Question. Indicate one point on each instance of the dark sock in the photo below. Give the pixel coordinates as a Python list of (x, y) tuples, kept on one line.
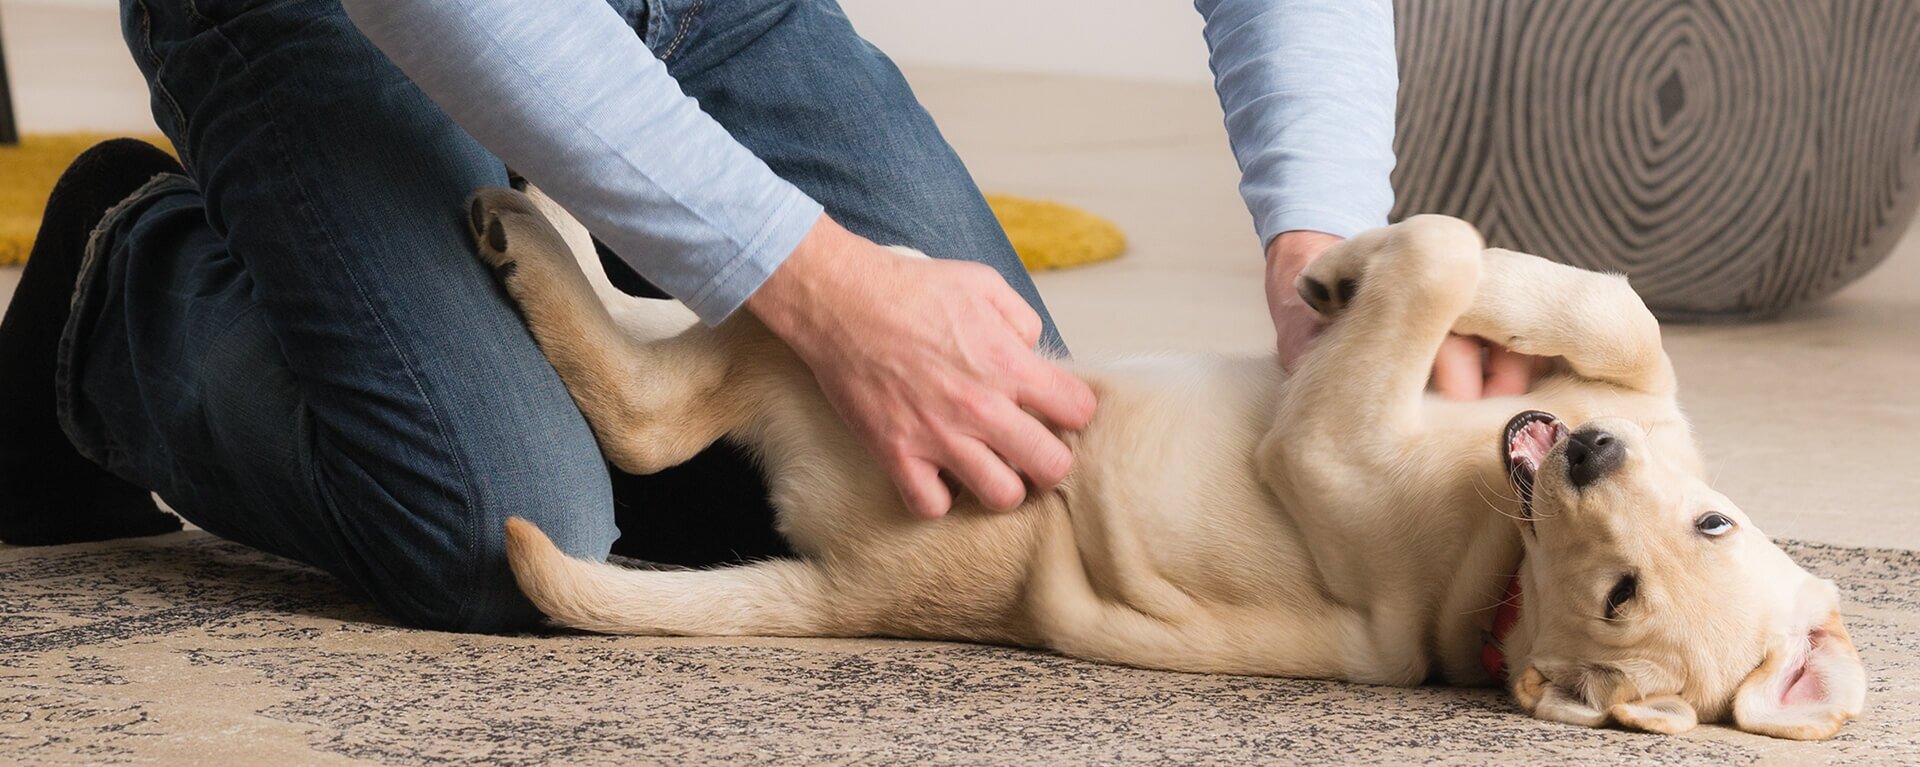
[(49, 494)]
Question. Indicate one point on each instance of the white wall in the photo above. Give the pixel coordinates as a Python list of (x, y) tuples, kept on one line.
[(93, 3), (1136, 39)]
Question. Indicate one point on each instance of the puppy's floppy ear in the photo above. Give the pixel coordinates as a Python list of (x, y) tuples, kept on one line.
[(1544, 699), (1661, 713), (1558, 703), (1811, 682)]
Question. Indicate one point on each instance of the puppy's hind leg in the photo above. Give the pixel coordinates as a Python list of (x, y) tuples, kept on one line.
[(1391, 294), (638, 318), (772, 598), (1355, 411), (1595, 321), (651, 404)]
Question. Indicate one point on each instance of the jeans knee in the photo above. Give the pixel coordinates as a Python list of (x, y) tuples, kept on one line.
[(471, 589), (465, 608), (445, 565)]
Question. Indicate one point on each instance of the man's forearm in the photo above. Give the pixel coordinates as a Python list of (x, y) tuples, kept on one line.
[(1308, 88), (566, 93)]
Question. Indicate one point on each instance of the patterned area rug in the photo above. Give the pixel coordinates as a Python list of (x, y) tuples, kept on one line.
[(185, 648)]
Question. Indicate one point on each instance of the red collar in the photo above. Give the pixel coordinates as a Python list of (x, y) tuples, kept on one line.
[(1504, 616)]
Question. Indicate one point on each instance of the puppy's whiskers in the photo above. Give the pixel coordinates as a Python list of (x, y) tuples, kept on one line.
[(1480, 483), (1503, 601), (1496, 507)]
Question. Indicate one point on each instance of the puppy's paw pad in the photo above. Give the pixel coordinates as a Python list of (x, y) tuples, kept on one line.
[(505, 270), (491, 240), (1316, 294), (491, 236), (496, 235), (508, 226), (477, 215), (500, 219), (1333, 281), (1329, 301)]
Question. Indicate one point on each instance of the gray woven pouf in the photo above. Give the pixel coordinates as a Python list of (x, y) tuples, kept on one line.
[(1734, 158)]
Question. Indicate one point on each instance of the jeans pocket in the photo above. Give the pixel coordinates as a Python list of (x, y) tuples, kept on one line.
[(640, 15), (669, 24)]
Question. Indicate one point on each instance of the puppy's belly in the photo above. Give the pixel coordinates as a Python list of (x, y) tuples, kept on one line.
[(1170, 464)]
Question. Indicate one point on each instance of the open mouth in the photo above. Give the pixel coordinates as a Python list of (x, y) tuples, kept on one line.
[(1527, 440)]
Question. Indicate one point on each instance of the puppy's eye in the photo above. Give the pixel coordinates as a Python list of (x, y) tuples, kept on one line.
[(1622, 593), (1713, 524)]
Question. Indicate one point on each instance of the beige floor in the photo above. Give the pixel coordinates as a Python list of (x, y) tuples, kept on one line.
[(1808, 421)]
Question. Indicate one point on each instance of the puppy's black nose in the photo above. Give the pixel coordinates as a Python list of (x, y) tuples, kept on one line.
[(1592, 454)]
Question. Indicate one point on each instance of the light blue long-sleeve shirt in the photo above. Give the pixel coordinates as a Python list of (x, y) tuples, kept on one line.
[(565, 93), (1308, 87)]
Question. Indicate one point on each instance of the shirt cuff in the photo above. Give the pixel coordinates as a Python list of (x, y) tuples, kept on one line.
[(1337, 222), (741, 276)]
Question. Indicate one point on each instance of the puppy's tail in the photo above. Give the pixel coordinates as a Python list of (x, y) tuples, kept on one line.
[(773, 598)]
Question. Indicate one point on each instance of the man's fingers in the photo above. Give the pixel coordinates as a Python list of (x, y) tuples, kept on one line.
[(1029, 446), (1457, 371), (926, 494), (1021, 317), (1509, 372), (1057, 395), (982, 471)]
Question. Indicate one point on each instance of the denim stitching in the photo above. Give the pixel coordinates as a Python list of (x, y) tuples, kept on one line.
[(193, 10), (686, 23), (146, 33), (154, 60)]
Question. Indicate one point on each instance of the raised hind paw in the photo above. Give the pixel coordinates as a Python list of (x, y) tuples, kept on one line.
[(508, 230), (1332, 282), (1422, 253), (1328, 294)]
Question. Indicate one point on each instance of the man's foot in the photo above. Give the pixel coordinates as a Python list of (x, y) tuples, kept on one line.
[(49, 494)]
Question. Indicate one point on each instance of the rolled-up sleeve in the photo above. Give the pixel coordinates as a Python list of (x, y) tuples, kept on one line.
[(569, 96), (1308, 88)]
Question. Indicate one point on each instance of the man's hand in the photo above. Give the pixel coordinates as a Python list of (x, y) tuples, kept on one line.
[(1294, 322), (1470, 368), (1465, 369), (932, 364)]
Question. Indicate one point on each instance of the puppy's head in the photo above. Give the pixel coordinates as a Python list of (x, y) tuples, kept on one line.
[(1651, 601)]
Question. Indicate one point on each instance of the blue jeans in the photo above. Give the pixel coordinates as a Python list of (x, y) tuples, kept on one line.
[(296, 346)]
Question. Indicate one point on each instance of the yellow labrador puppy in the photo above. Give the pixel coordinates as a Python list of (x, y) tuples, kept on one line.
[(1339, 523)]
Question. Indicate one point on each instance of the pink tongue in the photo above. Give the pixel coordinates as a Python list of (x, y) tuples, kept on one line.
[(1532, 442)]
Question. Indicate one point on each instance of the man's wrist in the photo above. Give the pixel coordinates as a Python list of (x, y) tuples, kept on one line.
[(783, 301), (1290, 251)]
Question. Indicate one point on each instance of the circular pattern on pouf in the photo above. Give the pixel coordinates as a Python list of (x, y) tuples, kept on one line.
[(1732, 158)]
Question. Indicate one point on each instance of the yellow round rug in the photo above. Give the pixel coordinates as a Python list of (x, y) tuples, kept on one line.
[(1047, 235)]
